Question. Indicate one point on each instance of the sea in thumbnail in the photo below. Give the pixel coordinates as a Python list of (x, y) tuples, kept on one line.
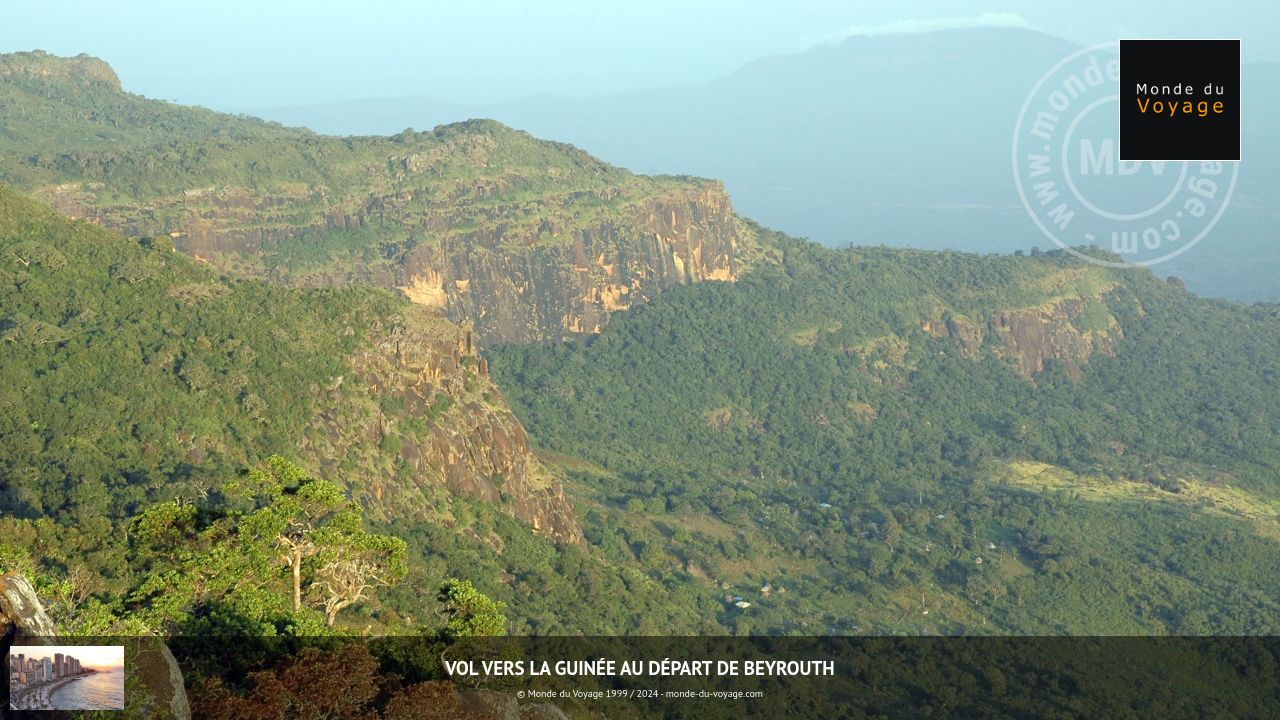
[(103, 690)]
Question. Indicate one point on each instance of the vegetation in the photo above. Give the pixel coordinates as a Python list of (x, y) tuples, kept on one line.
[(115, 388), (220, 577), (794, 439), (321, 209), (347, 683), (849, 441), (800, 430), (122, 400), (843, 442)]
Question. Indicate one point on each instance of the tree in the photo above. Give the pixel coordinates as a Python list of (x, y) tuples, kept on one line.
[(30, 252), (305, 506), (338, 685), (35, 332), (354, 562), (314, 522), (229, 558), (467, 612)]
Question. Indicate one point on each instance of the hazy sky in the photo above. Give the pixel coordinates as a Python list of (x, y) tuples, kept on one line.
[(241, 54)]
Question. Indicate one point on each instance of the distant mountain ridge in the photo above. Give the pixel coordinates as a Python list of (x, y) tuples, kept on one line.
[(897, 139)]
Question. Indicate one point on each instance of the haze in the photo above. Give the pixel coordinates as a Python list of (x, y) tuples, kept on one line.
[(242, 54)]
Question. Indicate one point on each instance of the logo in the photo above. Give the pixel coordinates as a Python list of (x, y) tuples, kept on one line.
[(1071, 180), (1180, 99)]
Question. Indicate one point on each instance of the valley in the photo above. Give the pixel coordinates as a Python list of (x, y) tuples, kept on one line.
[(606, 401)]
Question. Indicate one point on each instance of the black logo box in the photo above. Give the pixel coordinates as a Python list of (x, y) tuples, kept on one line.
[(1185, 67)]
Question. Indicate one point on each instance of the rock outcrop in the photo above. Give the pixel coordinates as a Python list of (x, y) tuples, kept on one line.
[(153, 664), (515, 287), (1037, 335), (437, 421), (22, 617), (1068, 330), (42, 66)]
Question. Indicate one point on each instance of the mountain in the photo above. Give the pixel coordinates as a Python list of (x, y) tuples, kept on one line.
[(859, 440), (844, 438), (895, 139), (524, 239), (103, 333), (132, 376), (924, 442)]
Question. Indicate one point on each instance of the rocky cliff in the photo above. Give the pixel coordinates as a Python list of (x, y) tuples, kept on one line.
[(1068, 330), (419, 404), (43, 67), (515, 283), (520, 268), (528, 240), (564, 277)]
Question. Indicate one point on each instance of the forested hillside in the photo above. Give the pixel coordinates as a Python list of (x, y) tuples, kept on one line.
[(134, 379), (841, 441), (931, 442), (867, 440), (526, 239)]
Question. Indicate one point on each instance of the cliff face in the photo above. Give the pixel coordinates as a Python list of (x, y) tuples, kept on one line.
[(528, 240), (528, 270), (41, 66), (1069, 330), (419, 404), (565, 278)]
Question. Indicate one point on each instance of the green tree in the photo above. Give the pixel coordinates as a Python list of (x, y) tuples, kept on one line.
[(224, 566), (304, 507), (354, 562), (467, 612)]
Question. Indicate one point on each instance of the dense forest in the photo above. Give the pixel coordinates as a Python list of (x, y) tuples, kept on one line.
[(844, 441), (219, 420), (135, 378), (809, 428)]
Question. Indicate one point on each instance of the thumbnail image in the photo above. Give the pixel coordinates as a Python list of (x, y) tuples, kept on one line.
[(77, 677)]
